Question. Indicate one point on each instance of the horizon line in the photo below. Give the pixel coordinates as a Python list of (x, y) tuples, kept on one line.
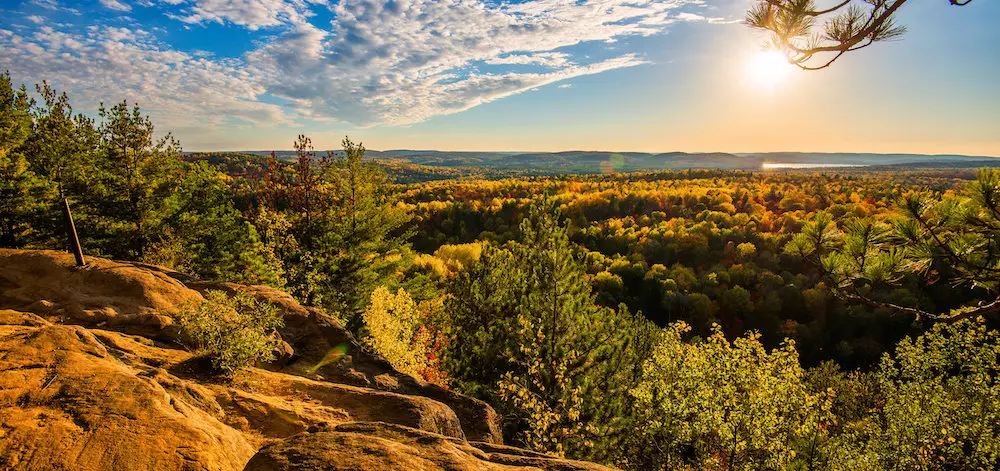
[(737, 154)]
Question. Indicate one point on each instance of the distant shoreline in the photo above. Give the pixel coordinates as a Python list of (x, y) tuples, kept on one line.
[(776, 166)]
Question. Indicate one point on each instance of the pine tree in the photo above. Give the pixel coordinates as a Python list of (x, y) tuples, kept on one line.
[(931, 239), (483, 306), (528, 333), (22, 191), (367, 232), (568, 375), (137, 174), (60, 151), (334, 225), (205, 235)]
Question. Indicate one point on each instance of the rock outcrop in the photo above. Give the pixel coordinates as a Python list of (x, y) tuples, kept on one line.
[(92, 377)]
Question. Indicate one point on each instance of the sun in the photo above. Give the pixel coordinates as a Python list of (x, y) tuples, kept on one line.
[(769, 68)]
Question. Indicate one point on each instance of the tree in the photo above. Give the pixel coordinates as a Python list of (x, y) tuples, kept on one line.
[(933, 404), (205, 235), (849, 25), (394, 327), (62, 144), (942, 393), (137, 174), (482, 303), (368, 231), (22, 192), (724, 405), (334, 225), (941, 239), (297, 202), (526, 330), (60, 150)]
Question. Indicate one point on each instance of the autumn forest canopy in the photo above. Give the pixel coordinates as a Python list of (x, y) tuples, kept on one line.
[(686, 319)]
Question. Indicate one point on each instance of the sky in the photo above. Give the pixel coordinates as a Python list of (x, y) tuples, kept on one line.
[(528, 75)]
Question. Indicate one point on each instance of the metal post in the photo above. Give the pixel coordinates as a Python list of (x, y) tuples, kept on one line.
[(74, 241)]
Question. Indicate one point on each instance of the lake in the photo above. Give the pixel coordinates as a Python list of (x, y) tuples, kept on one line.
[(767, 166)]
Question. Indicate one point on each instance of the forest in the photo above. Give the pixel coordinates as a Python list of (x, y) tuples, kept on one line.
[(685, 319)]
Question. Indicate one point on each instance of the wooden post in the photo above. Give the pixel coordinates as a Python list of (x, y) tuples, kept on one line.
[(74, 241)]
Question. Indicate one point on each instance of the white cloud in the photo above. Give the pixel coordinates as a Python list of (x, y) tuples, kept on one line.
[(54, 6), (400, 62), (549, 59), (566, 85), (376, 62), (116, 5), (182, 93), (252, 14)]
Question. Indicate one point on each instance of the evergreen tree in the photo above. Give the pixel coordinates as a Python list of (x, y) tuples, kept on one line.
[(205, 235), (530, 332), (335, 227), (137, 175), (366, 235), (483, 305), (61, 151), (929, 240), (22, 192)]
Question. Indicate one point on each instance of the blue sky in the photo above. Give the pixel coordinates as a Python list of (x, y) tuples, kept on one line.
[(622, 75)]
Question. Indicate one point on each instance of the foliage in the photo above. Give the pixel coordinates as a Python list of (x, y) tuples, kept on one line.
[(204, 234), (847, 26), (137, 174), (482, 306), (332, 223), (458, 257), (526, 330), (942, 400), (394, 328), (234, 331), (550, 311), (952, 239), (21, 190), (724, 405)]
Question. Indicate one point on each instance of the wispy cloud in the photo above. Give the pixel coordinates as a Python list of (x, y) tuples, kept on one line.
[(374, 62), (183, 92), (53, 5), (403, 62), (252, 14), (116, 5)]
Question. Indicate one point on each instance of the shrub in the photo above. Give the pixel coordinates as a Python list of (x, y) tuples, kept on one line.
[(725, 405), (234, 331)]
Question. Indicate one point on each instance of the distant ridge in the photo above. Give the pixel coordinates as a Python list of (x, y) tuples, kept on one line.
[(603, 161)]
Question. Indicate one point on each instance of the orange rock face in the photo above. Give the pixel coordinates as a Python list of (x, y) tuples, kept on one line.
[(92, 378)]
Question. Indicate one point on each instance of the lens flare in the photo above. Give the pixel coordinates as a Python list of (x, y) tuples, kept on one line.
[(335, 353)]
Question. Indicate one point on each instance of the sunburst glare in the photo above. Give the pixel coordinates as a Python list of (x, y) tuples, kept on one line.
[(769, 69)]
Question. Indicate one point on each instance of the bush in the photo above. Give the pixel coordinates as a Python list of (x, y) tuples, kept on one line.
[(725, 405), (234, 331)]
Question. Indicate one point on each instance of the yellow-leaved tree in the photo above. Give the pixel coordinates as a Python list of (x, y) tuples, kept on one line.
[(394, 328), (727, 405)]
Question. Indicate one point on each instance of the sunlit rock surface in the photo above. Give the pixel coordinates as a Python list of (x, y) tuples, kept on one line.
[(92, 377)]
